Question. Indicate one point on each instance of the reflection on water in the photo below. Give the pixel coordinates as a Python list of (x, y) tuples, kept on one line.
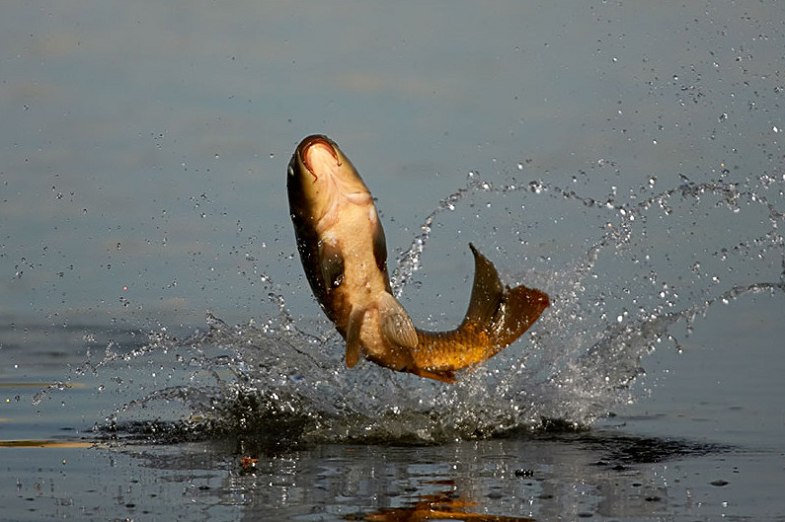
[(552, 475), (447, 504), (544, 477)]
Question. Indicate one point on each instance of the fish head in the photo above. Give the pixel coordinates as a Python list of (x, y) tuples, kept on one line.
[(321, 177)]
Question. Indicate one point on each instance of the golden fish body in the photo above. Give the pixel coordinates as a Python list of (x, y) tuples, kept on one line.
[(344, 254)]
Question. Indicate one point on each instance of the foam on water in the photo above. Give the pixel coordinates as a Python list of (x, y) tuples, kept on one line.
[(652, 264)]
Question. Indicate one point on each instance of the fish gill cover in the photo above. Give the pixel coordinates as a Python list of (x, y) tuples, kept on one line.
[(636, 276)]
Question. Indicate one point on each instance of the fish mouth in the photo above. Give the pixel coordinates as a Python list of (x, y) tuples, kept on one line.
[(318, 154)]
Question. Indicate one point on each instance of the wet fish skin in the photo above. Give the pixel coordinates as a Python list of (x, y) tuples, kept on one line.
[(344, 254)]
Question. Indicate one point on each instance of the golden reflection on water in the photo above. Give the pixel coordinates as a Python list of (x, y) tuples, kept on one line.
[(444, 505)]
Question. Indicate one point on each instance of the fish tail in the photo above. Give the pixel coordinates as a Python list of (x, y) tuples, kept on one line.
[(503, 313), (519, 308), (497, 315)]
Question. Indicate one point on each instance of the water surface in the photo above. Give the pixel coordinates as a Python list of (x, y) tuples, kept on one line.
[(627, 159)]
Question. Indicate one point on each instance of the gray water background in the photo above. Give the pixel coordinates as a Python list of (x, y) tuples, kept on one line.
[(143, 156), (145, 145)]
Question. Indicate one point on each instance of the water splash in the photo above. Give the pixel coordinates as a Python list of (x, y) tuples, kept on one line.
[(635, 278), (409, 261)]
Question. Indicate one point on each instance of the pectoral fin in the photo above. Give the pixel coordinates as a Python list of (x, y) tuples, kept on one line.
[(353, 344), (331, 264), (397, 327), (380, 247)]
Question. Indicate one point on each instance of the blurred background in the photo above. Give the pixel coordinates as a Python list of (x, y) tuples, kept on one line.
[(144, 145)]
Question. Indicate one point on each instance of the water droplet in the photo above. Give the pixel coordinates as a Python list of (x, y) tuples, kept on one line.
[(536, 187)]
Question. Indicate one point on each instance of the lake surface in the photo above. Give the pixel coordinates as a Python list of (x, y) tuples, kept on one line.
[(156, 327)]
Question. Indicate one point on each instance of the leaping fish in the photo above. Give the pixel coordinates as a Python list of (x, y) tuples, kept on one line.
[(344, 255)]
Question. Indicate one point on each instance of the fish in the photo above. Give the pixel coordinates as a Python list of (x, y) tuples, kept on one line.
[(343, 251)]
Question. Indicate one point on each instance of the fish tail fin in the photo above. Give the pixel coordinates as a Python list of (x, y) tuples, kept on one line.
[(504, 313), (522, 306), (447, 376)]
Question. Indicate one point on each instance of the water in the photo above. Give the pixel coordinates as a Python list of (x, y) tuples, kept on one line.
[(157, 328), (528, 433)]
